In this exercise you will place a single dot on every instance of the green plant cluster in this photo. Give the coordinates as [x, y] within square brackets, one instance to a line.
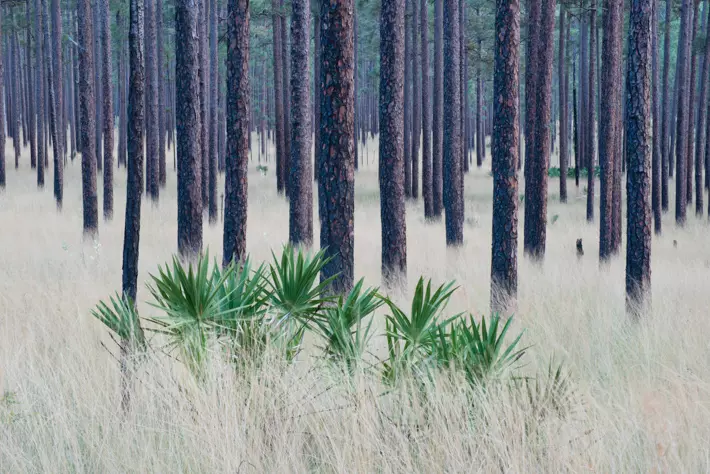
[250, 312]
[554, 172]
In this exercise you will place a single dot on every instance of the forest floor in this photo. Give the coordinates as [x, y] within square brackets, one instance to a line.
[641, 390]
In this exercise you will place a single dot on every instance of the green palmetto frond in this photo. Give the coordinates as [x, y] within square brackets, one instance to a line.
[121, 318]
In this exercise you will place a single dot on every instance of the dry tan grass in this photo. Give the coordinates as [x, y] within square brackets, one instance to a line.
[642, 390]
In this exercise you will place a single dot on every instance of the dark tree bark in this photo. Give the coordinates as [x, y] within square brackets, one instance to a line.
[160, 60]
[575, 127]
[301, 187]
[122, 98]
[682, 117]
[464, 89]
[416, 100]
[188, 117]
[453, 184]
[88, 116]
[690, 123]
[58, 162]
[536, 181]
[408, 98]
[39, 96]
[438, 111]
[480, 136]
[203, 76]
[426, 116]
[286, 70]
[609, 105]
[666, 112]
[504, 259]
[656, 155]
[106, 74]
[530, 85]
[562, 86]
[58, 66]
[238, 106]
[278, 98]
[152, 182]
[701, 136]
[316, 92]
[336, 181]
[212, 181]
[638, 143]
[136, 127]
[391, 165]
[31, 95]
[591, 116]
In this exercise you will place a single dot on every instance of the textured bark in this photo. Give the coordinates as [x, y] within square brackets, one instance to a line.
[98, 85]
[136, 127]
[690, 122]
[453, 181]
[609, 107]
[464, 89]
[212, 181]
[316, 92]
[106, 74]
[480, 136]
[336, 165]
[31, 96]
[591, 116]
[701, 135]
[122, 98]
[575, 127]
[391, 165]
[188, 117]
[301, 186]
[666, 110]
[408, 98]
[237, 105]
[160, 60]
[426, 115]
[203, 76]
[638, 149]
[39, 95]
[278, 99]
[682, 117]
[58, 162]
[152, 178]
[562, 86]
[504, 258]
[535, 229]
[656, 154]
[88, 116]
[438, 111]
[286, 70]
[58, 67]
[416, 100]
[531, 60]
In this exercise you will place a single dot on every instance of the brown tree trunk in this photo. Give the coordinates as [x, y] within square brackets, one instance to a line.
[39, 96]
[656, 155]
[212, 181]
[504, 258]
[316, 92]
[286, 70]
[106, 74]
[278, 98]
[160, 60]
[562, 86]
[666, 112]
[408, 97]
[391, 166]
[88, 116]
[691, 81]
[58, 64]
[591, 116]
[531, 73]
[188, 117]
[152, 179]
[701, 136]
[336, 164]
[426, 115]
[203, 75]
[237, 105]
[610, 80]
[416, 100]
[682, 117]
[638, 143]
[438, 111]
[301, 181]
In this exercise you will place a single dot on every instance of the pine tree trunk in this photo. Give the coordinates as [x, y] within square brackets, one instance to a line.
[2, 118]
[690, 123]
[416, 99]
[453, 181]
[504, 258]
[152, 184]
[98, 85]
[58, 161]
[426, 115]
[278, 99]
[286, 70]
[39, 97]
[203, 74]
[562, 86]
[237, 108]
[336, 165]
[531, 73]
[58, 64]
[638, 143]
[438, 110]
[656, 116]
[106, 75]
[316, 92]
[301, 181]
[160, 60]
[188, 118]
[408, 98]
[701, 136]
[212, 181]
[31, 96]
[591, 116]
[666, 110]
[88, 116]
[682, 114]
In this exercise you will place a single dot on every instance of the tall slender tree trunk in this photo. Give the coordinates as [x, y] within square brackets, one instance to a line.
[391, 166]
[666, 112]
[58, 161]
[504, 258]
[106, 74]
[203, 75]
[88, 116]
[316, 92]
[453, 182]
[237, 105]
[3, 179]
[278, 98]
[58, 65]
[152, 182]
[426, 115]
[286, 71]
[562, 86]
[591, 116]
[31, 96]
[160, 60]
[438, 111]
[39, 84]
[638, 143]
[656, 154]
[691, 81]
[188, 118]
[701, 135]
[416, 100]
[531, 74]
[408, 98]
[682, 117]
[336, 182]
[212, 182]
[301, 185]
[609, 107]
